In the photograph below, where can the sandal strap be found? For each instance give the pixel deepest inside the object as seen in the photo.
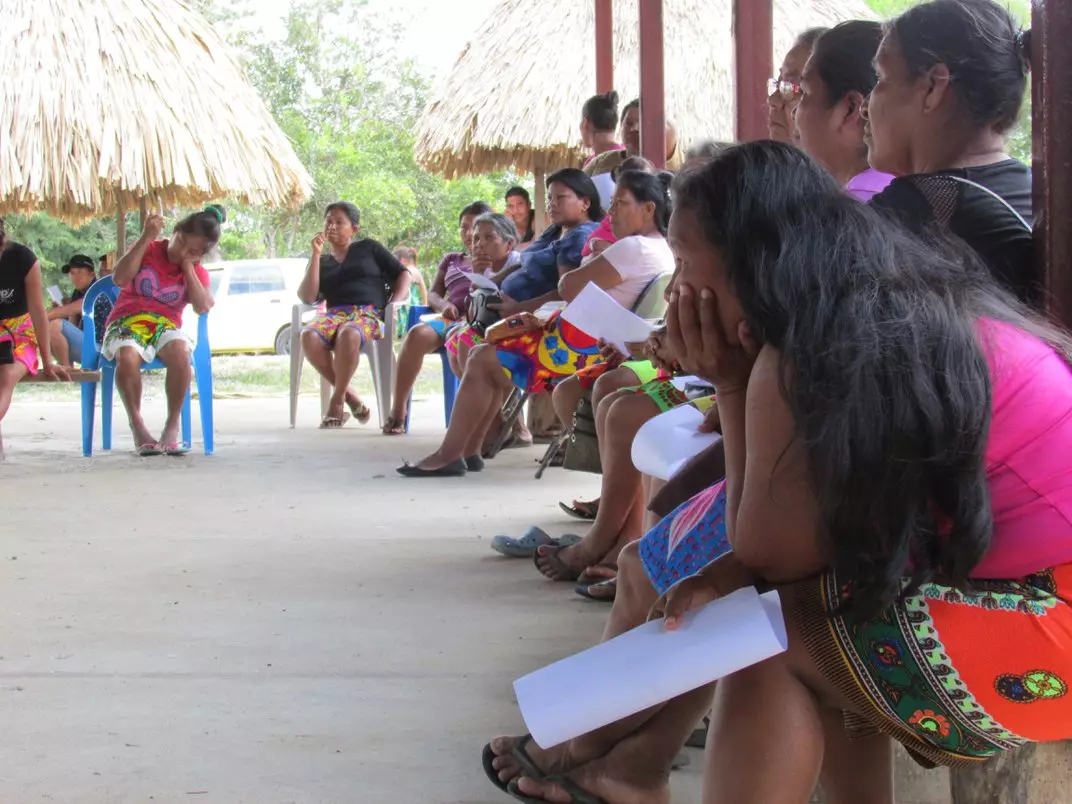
(578, 795)
(521, 754)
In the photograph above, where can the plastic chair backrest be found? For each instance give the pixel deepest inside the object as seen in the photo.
(106, 289)
(650, 304)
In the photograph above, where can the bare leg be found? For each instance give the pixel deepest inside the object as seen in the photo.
(615, 380)
(621, 507)
(566, 397)
(347, 355)
(318, 354)
(421, 341)
(176, 358)
(475, 444)
(61, 350)
(128, 382)
(859, 770)
(9, 378)
(653, 486)
(767, 738)
(479, 396)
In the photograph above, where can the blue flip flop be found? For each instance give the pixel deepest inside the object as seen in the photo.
(525, 547)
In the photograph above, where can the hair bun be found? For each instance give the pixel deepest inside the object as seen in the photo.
(1023, 47)
(216, 211)
(612, 99)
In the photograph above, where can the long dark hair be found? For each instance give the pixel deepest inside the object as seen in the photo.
(882, 365)
(980, 43)
(582, 186)
(653, 187)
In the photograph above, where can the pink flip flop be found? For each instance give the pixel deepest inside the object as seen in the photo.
(176, 448)
(149, 449)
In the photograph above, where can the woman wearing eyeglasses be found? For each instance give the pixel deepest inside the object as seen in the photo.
(784, 92)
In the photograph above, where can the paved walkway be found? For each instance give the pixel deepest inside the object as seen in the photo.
(286, 621)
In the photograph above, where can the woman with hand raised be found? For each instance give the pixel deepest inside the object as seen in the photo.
(158, 279)
(355, 280)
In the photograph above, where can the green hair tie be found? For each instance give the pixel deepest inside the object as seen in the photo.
(215, 212)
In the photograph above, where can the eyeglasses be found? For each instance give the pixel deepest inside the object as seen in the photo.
(788, 90)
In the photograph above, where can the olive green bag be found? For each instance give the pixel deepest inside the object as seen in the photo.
(582, 449)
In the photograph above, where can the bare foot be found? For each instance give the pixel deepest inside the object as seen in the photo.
(170, 434)
(141, 433)
(559, 759)
(562, 563)
(612, 778)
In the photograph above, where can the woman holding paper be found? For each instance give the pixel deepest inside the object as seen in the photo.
(542, 356)
(490, 240)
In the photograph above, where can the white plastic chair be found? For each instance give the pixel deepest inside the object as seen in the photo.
(380, 354)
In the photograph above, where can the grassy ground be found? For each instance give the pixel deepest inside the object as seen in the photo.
(247, 376)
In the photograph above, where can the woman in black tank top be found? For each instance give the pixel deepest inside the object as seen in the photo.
(951, 80)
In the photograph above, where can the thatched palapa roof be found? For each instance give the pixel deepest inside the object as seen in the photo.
(514, 96)
(107, 102)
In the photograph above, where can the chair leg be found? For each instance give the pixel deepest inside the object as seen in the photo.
(325, 397)
(450, 388)
(187, 424)
(553, 449)
(383, 377)
(296, 362)
(509, 412)
(204, 402)
(89, 404)
(107, 389)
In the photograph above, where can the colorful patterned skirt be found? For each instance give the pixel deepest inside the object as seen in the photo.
(537, 360)
(364, 318)
(955, 677)
(644, 371)
(19, 332)
(686, 541)
(145, 333)
(460, 336)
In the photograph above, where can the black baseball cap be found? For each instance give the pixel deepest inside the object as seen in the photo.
(80, 261)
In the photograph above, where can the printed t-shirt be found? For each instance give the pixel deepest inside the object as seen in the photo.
(15, 263)
(158, 287)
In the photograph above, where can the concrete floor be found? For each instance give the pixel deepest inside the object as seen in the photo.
(286, 621)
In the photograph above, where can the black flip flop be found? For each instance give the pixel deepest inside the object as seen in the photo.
(521, 756)
(587, 514)
(584, 590)
(577, 795)
(452, 469)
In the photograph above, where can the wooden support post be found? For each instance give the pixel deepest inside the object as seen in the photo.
(143, 210)
(120, 230)
(1040, 773)
(652, 85)
(753, 47)
(539, 198)
(1051, 112)
(604, 45)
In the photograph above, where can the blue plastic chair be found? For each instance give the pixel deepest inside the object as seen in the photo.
(92, 361)
(450, 382)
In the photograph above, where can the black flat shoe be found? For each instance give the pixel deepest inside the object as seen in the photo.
(452, 469)
(474, 463)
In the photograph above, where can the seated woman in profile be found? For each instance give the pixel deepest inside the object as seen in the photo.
(158, 279)
(539, 358)
(951, 81)
(897, 466)
(354, 280)
(491, 241)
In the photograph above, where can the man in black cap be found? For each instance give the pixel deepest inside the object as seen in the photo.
(66, 320)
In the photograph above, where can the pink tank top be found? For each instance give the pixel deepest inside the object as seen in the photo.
(1028, 453)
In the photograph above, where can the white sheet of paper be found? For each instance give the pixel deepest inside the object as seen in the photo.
(597, 315)
(649, 665)
(55, 294)
(604, 183)
(662, 445)
(481, 281)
